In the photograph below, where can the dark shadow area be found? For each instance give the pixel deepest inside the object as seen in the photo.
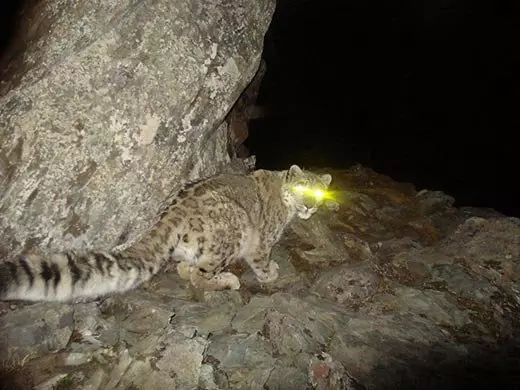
(12, 379)
(16, 26)
(425, 92)
(485, 366)
(10, 16)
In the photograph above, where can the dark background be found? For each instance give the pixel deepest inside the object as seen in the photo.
(424, 91)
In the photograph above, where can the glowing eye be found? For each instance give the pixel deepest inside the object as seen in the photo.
(316, 193)
(319, 194)
(300, 189)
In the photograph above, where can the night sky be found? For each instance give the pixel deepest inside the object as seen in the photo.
(425, 92)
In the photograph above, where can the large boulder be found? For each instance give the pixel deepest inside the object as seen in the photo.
(111, 106)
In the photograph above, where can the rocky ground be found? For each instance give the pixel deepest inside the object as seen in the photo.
(396, 289)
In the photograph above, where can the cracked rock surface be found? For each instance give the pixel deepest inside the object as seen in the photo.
(108, 106)
(395, 289)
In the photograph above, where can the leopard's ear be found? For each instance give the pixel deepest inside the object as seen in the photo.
(326, 179)
(295, 171)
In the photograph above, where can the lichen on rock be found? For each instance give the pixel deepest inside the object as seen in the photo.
(111, 107)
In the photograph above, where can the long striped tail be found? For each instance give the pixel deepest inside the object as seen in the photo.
(66, 276)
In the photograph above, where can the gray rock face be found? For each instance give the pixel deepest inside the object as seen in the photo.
(112, 106)
(45, 328)
(427, 299)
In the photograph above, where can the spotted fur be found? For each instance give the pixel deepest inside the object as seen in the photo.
(207, 226)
